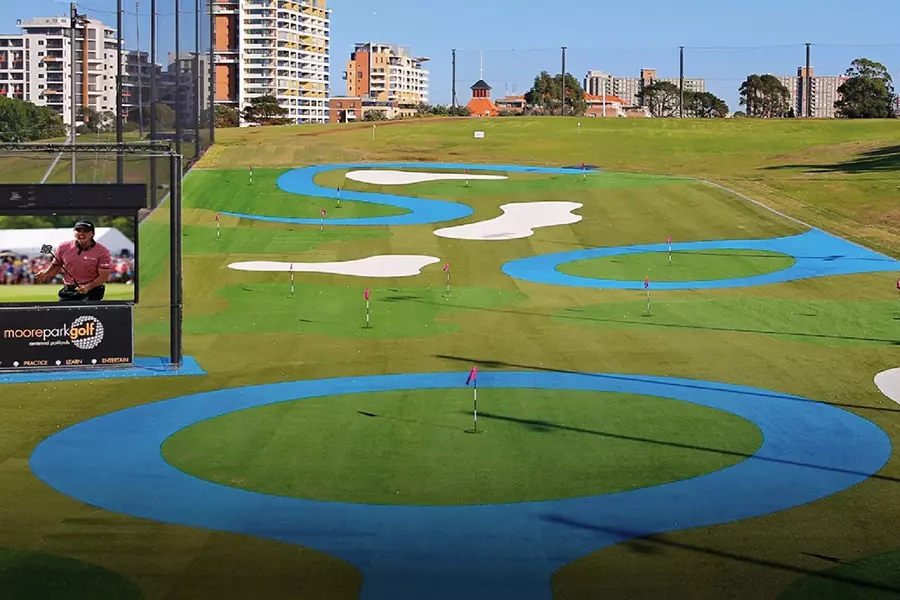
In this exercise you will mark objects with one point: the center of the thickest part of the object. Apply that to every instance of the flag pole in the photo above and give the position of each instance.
(366, 296)
(322, 221)
(251, 175)
(475, 403)
(218, 228)
(447, 270)
(669, 244)
(292, 279)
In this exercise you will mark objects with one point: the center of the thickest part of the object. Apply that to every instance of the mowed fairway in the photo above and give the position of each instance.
(822, 338)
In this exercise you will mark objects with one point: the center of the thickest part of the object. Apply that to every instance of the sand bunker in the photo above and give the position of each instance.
(518, 221)
(385, 177)
(889, 384)
(391, 265)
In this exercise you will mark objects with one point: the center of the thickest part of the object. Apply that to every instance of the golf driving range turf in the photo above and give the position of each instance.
(821, 338)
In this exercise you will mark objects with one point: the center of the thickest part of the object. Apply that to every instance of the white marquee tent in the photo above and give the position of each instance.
(29, 241)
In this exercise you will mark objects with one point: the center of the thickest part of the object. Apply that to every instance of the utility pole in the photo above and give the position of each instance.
(562, 109)
(212, 75)
(120, 160)
(76, 20)
(453, 77)
(807, 92)
(178, 77)
(140, 67)
(197, 79)
(681, 81)
(153, 182)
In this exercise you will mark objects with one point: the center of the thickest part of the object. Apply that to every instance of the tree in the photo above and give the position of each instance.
(704, 105)
(226, 116)
(546, 93)
(265, 110)
(375, 115)
(165, 116)
(765, 96)
(661, 98)
(22, 121)
(868, 93)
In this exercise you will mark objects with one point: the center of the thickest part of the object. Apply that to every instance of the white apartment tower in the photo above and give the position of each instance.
(387, 72)
(629, 88)
(36, 65)
(823, 93)
(274, 48)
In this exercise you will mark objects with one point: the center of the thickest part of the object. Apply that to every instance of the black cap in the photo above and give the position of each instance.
(84, 225)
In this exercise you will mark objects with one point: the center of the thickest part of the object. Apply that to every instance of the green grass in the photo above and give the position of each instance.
(231, 191)
(869, 578)
(694, 265)
(873, 322)
(835, 174)
(26, 575)
(823, 339)
(411, 447)
(48, 293)
(335, 310)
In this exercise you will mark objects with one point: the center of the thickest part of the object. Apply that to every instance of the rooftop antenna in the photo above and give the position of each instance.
(481, 67)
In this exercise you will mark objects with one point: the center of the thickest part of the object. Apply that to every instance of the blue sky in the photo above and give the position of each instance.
(724, 40)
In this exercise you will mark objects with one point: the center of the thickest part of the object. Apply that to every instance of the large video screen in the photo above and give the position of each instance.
(68, 258)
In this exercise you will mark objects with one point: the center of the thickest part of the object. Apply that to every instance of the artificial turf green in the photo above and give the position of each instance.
(336, 310)
(259, 238)
(804, 320)
(838, 175)
(229, 190)
(27, 575)
(870, 578)
(689, 265)
(49, 293)
(411, 447)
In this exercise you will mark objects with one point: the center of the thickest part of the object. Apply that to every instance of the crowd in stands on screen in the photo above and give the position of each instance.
(20, 270)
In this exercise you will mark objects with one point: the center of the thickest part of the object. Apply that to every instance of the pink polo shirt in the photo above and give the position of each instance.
(85, 267)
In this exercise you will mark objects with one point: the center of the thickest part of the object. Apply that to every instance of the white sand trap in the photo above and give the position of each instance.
(517, 221)
(385, 177)
(889, 384)
(391, 265)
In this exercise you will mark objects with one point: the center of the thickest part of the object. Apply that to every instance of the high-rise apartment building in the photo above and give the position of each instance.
(388, 73)
(36, 65)
(629, 88)
(274, 48)
(823, 93)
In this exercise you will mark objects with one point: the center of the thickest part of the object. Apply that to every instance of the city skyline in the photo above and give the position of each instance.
(515, 53)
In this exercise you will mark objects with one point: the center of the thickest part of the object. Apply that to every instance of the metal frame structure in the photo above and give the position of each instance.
(153, 150)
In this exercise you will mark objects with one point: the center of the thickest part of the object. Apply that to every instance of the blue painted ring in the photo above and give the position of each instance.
(810, 451)
(817, 254)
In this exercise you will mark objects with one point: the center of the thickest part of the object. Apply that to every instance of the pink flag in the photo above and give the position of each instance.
(898, 284)
(323, 212)
(472, 375)
(366, 294)
(292, 267)
(467, 171)
(646, 282)
(668, 239)
(447, 268)
(217, 216)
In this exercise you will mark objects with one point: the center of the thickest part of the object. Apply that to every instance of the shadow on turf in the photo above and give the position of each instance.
(546, 427)
(658, 544)
(874, 161)
(824, 336)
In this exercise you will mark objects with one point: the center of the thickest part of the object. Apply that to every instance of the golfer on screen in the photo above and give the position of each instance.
(85, 265)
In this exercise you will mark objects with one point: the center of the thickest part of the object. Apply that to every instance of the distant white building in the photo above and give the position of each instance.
(35, 65)
(628, 89)
(823, 91)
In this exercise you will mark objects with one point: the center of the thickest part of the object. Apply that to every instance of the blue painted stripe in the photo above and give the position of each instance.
(817, 254)
(143, 367)
(421, 211)
(810, 450)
